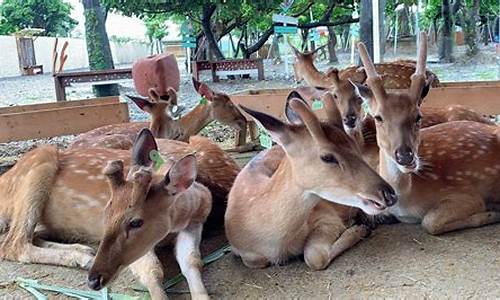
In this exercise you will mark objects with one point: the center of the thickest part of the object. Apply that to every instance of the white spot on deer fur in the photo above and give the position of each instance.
(450, 178)
(210, 161)
(441, 153)
(433, 176)
(484, 147)
(470, 145)
(81, 171)
(468, 173)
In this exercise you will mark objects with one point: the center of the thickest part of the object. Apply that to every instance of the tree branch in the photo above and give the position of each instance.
(296, 15)
(321, 23)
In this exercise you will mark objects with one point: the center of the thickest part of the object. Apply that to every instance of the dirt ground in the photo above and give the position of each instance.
(397, 261)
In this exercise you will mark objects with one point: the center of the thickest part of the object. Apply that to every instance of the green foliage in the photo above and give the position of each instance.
(156, 26)
(51, 15)
(97, 57)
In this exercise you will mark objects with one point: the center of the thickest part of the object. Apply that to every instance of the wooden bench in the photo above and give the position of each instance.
(229, 68)
(62, 80)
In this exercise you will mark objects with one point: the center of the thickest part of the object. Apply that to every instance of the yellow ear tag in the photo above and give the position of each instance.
(264, 138)
(366, 107)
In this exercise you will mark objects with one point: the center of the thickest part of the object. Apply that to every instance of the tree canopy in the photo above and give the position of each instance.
(51, 15)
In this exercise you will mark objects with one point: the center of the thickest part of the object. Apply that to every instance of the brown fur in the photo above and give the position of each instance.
(66, 193)
(454, 181)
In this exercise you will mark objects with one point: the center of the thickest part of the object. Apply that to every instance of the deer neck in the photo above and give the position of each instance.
(314, 77)
(290, 199)
(389, 170)
(162, 126)
(196, 119)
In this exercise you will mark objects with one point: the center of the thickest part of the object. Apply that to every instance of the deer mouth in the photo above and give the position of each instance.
(371, 202)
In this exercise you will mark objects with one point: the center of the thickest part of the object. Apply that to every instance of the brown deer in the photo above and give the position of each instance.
(66, 193)
(273, 211)
(447, 176)
(218, 107)
(396, 74)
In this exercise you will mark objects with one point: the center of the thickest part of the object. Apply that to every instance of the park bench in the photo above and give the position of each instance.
(64, 79)
(230, 68)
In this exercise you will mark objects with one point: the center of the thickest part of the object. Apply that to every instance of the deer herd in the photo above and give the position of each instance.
(377, 157)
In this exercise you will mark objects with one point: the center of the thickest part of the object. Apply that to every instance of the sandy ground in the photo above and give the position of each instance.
(397, 261)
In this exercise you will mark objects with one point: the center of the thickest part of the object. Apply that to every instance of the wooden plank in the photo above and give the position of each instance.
(484, 99)
(60, 121)
(470, 83)
(54, 105)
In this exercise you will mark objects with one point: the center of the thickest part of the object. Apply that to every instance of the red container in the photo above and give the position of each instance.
(157, 71)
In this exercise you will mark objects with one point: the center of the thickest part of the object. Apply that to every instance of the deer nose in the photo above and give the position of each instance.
(94, 281)
(350, 121)
(404, 156)
(388, 194)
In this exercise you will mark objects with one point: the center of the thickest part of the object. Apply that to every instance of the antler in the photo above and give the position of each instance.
(141, 181)
(373, 80)
(114, 172)
(418, 78)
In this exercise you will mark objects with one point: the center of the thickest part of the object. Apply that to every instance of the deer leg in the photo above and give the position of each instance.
(50, 256)
(187, 252)
(149, 270)
(325, 243)
(460, 213)
(74, 247)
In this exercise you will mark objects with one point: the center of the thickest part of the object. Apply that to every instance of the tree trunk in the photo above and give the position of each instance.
(208, 11)
(470, 31)
(98, 48)
(274, 51)
(445, 50)
(332, 43)
(366, 26)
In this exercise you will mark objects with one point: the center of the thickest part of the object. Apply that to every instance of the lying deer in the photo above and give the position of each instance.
(274, 209)
(66, 193)
(218, 107)
(447, 176)
(396, 74)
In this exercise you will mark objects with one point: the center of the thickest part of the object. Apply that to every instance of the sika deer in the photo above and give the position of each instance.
(447, 176)
(218, 107)
(66, 193)
(396, 74)
(122, 136)
(272, 211)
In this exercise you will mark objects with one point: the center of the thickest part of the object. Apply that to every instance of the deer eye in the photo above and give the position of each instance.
(418, 119)
(135, 223)
(379, 119)
(335, 96)
(329, 159)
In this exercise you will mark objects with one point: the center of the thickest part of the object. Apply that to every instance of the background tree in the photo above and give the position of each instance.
(98, 48)
(156, 30)
(51, 15)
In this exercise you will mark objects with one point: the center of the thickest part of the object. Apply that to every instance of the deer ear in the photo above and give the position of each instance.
(142, 103)
(290, 113)
(154, 95)
(278, 130)
(181, 175)
(203, 89)
(426, 89)
(143, 145)
(363, 91)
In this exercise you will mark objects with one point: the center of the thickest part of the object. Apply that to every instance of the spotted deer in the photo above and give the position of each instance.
(217, 107)
(447, 176)
(396, 74)
(64, 195)
(274, 209)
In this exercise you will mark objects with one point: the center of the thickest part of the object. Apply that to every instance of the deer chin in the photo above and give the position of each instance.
(372, 205)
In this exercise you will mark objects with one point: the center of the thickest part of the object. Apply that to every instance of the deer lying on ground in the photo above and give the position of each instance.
(273, 211)
(447, 176)
(396, 74)
(66, 193)
(218, 107)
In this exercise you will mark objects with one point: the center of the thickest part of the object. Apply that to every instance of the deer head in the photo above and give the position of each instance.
(139, 213)
(161, 109)
(397, 115)
(222, 108)
(324, 160)
(303, 61)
